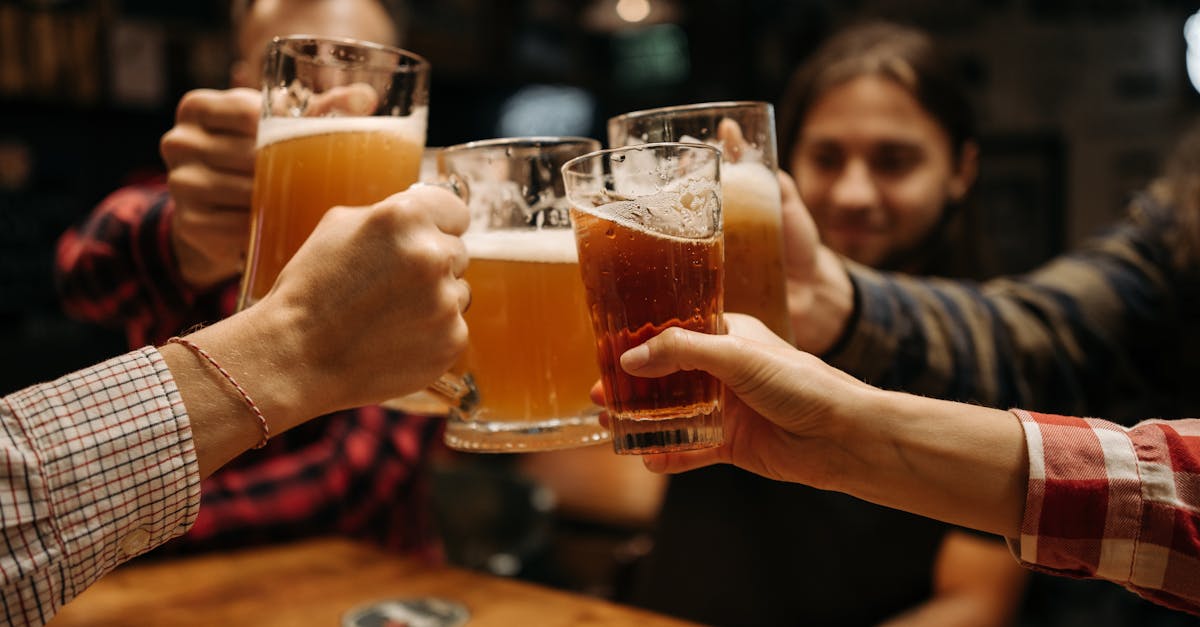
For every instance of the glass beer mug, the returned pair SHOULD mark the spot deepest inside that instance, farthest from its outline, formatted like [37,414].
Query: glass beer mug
[530,354]
[343,123]
[745,133]
[648,227]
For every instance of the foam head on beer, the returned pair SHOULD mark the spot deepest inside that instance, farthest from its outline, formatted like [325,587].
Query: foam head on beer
[692,212]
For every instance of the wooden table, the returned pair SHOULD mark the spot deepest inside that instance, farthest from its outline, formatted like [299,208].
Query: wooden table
[314,583]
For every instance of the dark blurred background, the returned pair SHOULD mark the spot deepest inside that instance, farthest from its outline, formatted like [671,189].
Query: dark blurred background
[1078,99]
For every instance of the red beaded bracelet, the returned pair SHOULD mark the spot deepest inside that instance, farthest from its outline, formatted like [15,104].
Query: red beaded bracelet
[266,430]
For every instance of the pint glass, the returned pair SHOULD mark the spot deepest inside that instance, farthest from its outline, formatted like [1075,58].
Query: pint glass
[648,230]
[754,277]
[530,352]
[343,123]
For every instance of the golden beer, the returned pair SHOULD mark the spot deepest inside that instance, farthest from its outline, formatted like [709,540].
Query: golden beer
[530,351]
[305,166]
[754,280]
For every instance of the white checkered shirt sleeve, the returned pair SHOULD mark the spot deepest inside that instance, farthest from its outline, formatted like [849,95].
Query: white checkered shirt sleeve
[98,467]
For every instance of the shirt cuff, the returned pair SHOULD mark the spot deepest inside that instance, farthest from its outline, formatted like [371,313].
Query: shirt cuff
[1083,504]
[120,464]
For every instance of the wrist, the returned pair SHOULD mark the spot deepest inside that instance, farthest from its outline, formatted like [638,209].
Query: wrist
[259,349]
[855,433]
[822,305]
[955,462]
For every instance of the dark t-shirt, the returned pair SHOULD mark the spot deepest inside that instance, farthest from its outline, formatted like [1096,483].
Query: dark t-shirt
[733,548]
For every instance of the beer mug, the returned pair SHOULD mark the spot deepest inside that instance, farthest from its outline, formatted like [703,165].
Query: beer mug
[648,230]
[529,353]
[745,132]
[343,123]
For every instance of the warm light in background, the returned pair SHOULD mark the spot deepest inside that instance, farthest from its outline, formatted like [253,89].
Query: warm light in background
[633,10]
[1191,33]
[613,16]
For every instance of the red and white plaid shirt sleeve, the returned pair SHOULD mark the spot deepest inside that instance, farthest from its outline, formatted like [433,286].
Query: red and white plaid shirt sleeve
[99,467]
[1116,503]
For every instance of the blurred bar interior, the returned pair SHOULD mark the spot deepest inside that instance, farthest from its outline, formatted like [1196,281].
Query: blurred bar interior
[1076,101]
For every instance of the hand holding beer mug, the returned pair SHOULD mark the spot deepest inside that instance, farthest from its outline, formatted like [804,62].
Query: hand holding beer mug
[745,133]
[343,123]
[530,350]
[648,230]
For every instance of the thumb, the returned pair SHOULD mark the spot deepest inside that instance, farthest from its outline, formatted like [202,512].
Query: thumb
[355,99]
[678,349]
[733,142]
[800,238]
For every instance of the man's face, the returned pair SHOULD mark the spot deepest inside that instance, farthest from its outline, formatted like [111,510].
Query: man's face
[357,19]
[875,169]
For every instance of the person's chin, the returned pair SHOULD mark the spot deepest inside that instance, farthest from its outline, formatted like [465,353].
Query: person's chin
[857,245]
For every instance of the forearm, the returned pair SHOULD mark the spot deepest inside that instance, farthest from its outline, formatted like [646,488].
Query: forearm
[1060,339]
[272,372]
[822,306]
[958,463]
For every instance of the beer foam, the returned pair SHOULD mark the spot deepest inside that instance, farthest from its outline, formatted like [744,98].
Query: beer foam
[658,215]
[538,246]
[749,152]
[277,129]
[750,187]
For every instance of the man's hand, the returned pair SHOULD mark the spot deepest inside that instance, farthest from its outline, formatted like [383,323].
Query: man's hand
[820,294]
[373,300]
[210,159]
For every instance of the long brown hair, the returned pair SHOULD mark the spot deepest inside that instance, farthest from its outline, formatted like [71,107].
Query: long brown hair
[1179,188]
[907,57]
[899,53]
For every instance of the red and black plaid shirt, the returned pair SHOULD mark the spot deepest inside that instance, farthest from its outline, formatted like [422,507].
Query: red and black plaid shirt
[1115,503]
[357,472]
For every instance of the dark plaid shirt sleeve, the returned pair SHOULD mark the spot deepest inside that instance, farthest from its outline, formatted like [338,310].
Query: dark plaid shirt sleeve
[1070,337]
[118,268]
[1115,503]
[99,467]
[361,473]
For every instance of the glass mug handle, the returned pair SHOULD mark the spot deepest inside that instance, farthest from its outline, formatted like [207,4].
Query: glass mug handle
[452,183]
[458,391]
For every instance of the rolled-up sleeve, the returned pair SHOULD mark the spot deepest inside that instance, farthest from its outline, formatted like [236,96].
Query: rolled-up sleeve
[1115,503]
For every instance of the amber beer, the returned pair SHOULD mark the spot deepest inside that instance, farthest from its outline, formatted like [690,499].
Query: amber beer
[754,280]
[530,350]
[307,165]
[638,284]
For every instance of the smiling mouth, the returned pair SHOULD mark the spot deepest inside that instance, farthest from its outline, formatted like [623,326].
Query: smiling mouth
[856,231]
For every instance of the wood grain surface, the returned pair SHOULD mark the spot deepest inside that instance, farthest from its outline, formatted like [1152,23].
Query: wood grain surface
[315,583]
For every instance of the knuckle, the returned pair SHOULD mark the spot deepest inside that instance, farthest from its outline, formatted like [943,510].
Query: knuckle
[192,102]
[172,145]
[675,339]
[182,180]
